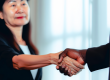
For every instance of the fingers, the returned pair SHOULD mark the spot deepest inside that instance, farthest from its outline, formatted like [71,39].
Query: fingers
[73,73]
[71,69]
[60,60]
[57,67]
[67,70]
[77,65]
[62,55]
[62,70]
[74,68]
[69,66]
[73,64]
[80,60]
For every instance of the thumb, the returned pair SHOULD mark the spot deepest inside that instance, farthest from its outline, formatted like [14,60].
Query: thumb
[61,59]
[80,60]
[57,67]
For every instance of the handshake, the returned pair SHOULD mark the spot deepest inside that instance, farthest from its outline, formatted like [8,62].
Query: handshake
[69,61]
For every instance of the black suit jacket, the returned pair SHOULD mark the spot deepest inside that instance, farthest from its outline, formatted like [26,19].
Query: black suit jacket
[7,72]
[98,57]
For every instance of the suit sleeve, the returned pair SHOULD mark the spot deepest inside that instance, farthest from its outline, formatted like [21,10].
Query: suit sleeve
[98,57]
[6,53]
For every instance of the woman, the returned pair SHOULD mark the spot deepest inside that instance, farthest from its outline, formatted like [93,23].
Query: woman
[19,59]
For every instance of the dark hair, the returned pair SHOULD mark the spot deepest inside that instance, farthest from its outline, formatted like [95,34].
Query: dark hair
[1,4]
[7,34]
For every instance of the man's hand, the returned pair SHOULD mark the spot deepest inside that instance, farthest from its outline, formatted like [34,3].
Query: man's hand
[78,55]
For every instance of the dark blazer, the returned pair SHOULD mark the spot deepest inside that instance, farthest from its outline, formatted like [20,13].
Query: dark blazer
[98,57]
[7,72]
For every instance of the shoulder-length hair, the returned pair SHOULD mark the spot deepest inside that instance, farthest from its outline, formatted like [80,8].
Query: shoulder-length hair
[6,33]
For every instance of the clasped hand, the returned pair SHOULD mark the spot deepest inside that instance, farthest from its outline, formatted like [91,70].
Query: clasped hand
[69,66]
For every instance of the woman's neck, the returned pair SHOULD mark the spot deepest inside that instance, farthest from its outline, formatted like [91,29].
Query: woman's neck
[17,32]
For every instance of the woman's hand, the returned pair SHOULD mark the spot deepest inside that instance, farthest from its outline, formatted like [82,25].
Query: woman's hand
[55,57]
[69,66]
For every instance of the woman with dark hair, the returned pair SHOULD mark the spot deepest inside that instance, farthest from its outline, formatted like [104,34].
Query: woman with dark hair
[19,59]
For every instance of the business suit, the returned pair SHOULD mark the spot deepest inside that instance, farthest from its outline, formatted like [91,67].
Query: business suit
[98,57]
[7,72]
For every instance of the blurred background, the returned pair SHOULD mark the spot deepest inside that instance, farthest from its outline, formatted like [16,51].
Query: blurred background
[79,24]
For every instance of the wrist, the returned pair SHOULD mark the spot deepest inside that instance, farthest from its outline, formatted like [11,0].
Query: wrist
[53,58]
[50,58]
[82,53]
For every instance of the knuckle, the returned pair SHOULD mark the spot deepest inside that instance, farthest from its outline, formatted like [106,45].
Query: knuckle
[78,65]
[78,69]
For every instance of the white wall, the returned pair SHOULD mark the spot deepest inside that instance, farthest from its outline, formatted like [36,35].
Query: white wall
[58,24]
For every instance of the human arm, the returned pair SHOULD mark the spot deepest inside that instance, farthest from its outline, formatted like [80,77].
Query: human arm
[30,62]
[96,58]
[13,58]
[36,61]
[19,61]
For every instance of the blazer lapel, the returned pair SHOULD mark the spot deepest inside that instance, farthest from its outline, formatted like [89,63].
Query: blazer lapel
[39,73]
[28,71]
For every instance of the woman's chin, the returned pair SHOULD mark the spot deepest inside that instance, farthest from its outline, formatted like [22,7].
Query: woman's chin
[21,24]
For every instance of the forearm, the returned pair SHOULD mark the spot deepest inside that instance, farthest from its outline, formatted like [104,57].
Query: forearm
[35,66]
[82,53]
[98,57]
[33,61]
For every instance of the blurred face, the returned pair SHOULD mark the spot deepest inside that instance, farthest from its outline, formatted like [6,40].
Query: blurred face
[15,12]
